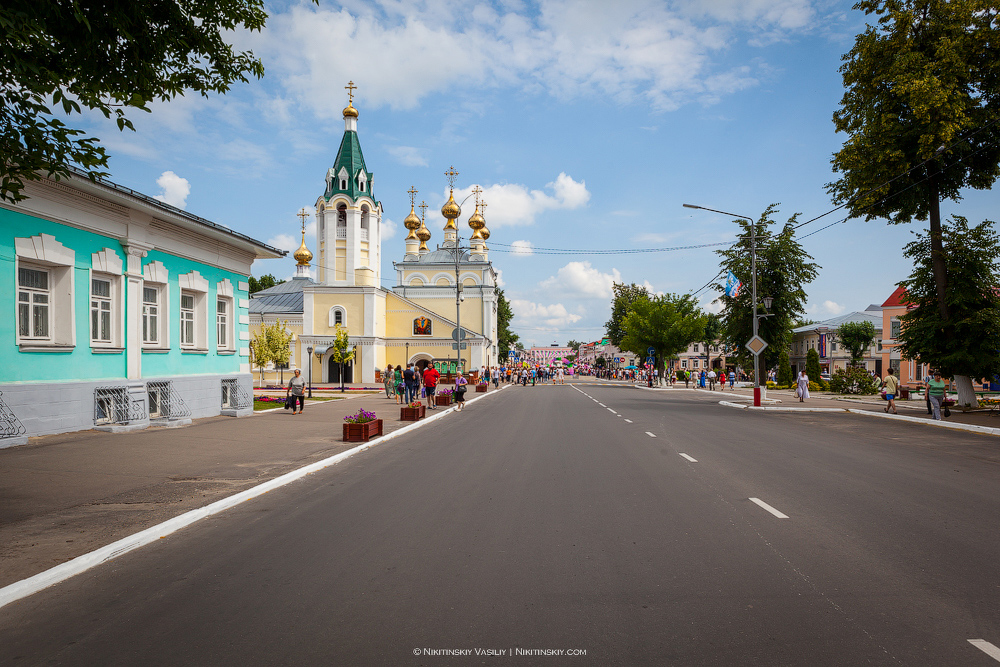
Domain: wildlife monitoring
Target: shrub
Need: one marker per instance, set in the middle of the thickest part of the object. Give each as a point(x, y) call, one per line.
point(815, 386)
point(812, 369)
point(853, 380)
point(784, 369)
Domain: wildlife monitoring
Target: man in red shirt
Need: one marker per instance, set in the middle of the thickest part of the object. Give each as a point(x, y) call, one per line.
point(431, 377)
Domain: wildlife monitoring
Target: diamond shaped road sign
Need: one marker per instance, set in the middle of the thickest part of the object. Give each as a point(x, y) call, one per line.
point(756, 344)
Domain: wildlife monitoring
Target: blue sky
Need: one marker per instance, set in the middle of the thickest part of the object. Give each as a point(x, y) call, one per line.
point(588, 125)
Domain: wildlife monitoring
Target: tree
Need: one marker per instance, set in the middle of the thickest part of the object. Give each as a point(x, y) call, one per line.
point(783, 270)
point(854, 380)
point(270, 344)
point(264, 282)
point(967, 343)
point(667, 323)
point(506, 339)
point(341, 351)
point(856, 337)
point(785, 369)
point(624, 297)
point(107, 57)
point(575, 345)
point(921, 116)
point(812, 367)
point(710, 336)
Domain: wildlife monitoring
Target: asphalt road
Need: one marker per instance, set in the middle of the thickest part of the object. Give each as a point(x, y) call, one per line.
point(541, 520)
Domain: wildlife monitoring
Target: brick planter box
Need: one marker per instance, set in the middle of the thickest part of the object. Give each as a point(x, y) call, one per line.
point(482, 387)
point(407, 414)
point(362, 432)
point(443, 400)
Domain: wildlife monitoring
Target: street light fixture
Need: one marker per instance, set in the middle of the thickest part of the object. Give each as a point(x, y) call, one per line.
point(753, 296)
point(309, 352)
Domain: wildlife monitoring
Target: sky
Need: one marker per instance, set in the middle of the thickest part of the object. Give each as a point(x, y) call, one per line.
point(587, 124)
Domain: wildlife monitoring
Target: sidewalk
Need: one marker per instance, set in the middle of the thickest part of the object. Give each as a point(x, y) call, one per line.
point(65, 495)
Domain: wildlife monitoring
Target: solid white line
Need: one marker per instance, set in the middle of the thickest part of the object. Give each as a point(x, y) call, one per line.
point(651, 435)
point(770, 509)
point(987, 648)
point(692, 460)
point(629, 421)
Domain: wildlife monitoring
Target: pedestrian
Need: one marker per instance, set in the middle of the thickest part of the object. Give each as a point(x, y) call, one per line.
point(935, 389)
point(461, 386)
point(927, 397)
point(711, 379)
point(431, 377)
point(802, 387)
point(296, 390)
point(687, 379)
point(891, 387)
point(390, 385)
point(409, 377)
point(495, 373)
point(732, 380)
point(397, 380)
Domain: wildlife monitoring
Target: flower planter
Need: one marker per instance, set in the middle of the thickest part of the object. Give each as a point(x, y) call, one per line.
point(362, 432)
point(442, 400)
point(408, 414)
point(481, 387)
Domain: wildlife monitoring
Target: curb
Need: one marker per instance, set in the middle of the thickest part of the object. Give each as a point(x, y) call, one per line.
point(42, 580)
point(774, 408)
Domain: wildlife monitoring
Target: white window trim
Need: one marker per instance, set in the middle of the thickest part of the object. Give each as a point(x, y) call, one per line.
point(33, 304)
point(188, 315)
point(224, 292)
point(156, 277)
point(333, 316)
point(193, 284)
point(107, 265)
point(44, 252)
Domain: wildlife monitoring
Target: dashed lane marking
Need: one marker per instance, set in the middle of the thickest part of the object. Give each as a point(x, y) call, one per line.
point(612, 410)
point(987, 648)
point(629, 421)
point(692, 460)
point(761, 503)
point(651, 435)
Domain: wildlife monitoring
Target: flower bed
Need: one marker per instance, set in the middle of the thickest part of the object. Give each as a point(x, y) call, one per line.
point(361, 426)
point(413, 412)
point(481, 387)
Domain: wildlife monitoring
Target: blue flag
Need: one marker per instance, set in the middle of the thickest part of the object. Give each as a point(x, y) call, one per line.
point(733, 285)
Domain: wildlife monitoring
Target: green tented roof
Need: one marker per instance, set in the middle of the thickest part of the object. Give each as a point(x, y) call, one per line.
point(349, 157)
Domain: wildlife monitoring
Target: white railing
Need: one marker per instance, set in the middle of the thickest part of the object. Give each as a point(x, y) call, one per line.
point(341, 232)
point(364, 234)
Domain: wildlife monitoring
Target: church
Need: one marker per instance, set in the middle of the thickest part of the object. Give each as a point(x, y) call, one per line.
point(435, 297)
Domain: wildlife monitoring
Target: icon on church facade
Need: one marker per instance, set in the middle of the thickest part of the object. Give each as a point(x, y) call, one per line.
point(422, 326)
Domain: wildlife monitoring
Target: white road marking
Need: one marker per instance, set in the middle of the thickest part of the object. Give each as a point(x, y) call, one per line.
point(612, 410)
point(651, 435)
point(618, 414)
point(987, 648)
point(758, 501)
point(692, 460)
point(601, 404)
point(629, 421)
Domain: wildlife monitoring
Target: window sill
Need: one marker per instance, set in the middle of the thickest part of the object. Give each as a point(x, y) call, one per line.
point(106, 350)
point(193, 350)
point(226, 353)
point(45, 347)
point(155, 350)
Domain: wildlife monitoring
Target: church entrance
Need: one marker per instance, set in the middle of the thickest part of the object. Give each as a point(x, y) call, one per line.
point(334, 371)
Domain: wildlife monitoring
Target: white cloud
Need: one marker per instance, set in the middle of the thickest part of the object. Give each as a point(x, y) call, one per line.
point(715, 306)
point(580, 279)
point(175, 189)
point(511, 204)
point(408, 156)
point(826, 309)
point(285, 242)
point(389, 229)
point(529, 314)
point(500, 280)
point(522, 248)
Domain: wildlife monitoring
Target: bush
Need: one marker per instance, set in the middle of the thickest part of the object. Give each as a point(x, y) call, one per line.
point(816, 386)
point(812, 369)
point(853, 381)
point(784, 369)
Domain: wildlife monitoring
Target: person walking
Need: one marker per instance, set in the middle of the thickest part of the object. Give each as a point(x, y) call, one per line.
point(891, 386)
point(408, 380)
point(802, 387)
point(296, 390)
point(927, 397)
point(461, 386)
point(687, 379)
point(431, 377)
point(732, 380)
point(935, 390)
point(397, 381)
point(711, 379)
point(390, 385)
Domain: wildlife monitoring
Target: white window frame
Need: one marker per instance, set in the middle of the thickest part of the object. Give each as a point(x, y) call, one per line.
point(188, 320)
point(44, 253)
point(106, 265)
point(156, 276)
point(29, 300)
point(224, 293)
point(195, 286)
point(102, 311)
point(147, 314)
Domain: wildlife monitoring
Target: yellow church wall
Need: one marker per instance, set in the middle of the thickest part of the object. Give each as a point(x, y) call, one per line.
point(353, 305)
point(472, 311)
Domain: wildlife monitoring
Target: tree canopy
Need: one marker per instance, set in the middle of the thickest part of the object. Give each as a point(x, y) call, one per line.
point(506, 339)
point(270, 344)
point(856, 337)
point(264, 282)
point(109, 57)
point(624, 297)
point(667, 323)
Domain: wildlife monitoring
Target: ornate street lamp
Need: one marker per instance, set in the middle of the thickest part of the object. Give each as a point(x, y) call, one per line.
point(309, 355)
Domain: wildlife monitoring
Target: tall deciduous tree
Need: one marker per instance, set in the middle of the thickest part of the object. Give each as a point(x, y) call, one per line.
point(624, 297)
point(109, 57)
point(856, 337)
point(667, 323)
point(270, 344)
point(711, 335)
point(783, 271)
point(967, 343)
point(921, 112)
point(506, 339)
point(341, 351)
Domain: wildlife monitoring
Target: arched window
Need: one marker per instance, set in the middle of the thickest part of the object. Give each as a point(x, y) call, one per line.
point(337, 316)
point(364, 217)
point(342, 215)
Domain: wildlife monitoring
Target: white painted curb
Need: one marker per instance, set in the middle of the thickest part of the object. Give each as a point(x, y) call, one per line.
point(774, 408)
point(59, 573)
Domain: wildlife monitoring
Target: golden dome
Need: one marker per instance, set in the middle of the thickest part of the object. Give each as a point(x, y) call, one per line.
point(350, 111)
point(451, 210)
point(302, 255)
point(411, 222)
point(424, 235)
point(485, 233)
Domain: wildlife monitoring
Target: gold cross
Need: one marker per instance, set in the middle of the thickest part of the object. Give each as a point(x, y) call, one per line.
point(423, 210)
point(482, 206)
point(302, 216)
point(413, 194)
point(476, 190)
point(451, 174)
point(350, 87)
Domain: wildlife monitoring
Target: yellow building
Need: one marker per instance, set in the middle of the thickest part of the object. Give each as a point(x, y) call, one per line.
point(413, 321)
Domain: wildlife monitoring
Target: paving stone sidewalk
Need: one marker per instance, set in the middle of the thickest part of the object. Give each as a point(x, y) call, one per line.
point(65, 495)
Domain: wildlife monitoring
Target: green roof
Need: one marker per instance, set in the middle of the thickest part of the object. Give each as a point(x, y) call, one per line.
point(350, 159)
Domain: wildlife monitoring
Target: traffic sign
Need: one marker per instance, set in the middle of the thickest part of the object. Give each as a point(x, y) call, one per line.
point(456, 335)
point(511, 353)
point(650, 351)
point(649, 360)
point(454, 346)
point(756, 345)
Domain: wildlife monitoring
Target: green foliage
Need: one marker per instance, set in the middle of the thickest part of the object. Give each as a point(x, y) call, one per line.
point(507, 340)
point(106, 57)
point(856, 337)
point(624, 297)
point(341, 351)
point(853, 380)
point(802, 322)
point(264, 282)
point(784, 369)
point(968, 342)
point(812, 368)
point(270, 344)
point(783, 270)
point(575, 345)
point(667, 323)
point(711, 335)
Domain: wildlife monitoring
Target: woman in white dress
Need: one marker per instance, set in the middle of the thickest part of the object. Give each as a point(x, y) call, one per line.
point(802, 390)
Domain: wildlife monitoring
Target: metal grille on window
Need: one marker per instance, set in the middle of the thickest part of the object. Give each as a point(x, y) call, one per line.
point(165, 402)
point(10, 425)
point(111, 406)
point(233, 396)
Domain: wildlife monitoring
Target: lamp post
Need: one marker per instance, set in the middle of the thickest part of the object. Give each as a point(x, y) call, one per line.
point(822, 331)
point(753, 296)
point(309, 353)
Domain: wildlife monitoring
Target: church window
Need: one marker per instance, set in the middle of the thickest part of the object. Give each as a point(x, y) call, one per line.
point(364, 217)
point(338, 318)
point(342, 215)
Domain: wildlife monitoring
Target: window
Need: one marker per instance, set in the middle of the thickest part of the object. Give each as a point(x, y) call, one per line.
point(187, 320)
point(694, 362)
point(100, 310)
point(696, 349)
point(342, 215)
point(894, 329)
point(150, 315)
point(33, 299)
point(684, 363)
point(338, 318)
point(222, 322)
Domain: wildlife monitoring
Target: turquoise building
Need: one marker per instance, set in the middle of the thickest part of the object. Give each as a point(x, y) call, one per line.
point(123, 312)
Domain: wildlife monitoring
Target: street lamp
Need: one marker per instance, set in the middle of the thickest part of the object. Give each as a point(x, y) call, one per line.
point(753, 296)
point(309, 353)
